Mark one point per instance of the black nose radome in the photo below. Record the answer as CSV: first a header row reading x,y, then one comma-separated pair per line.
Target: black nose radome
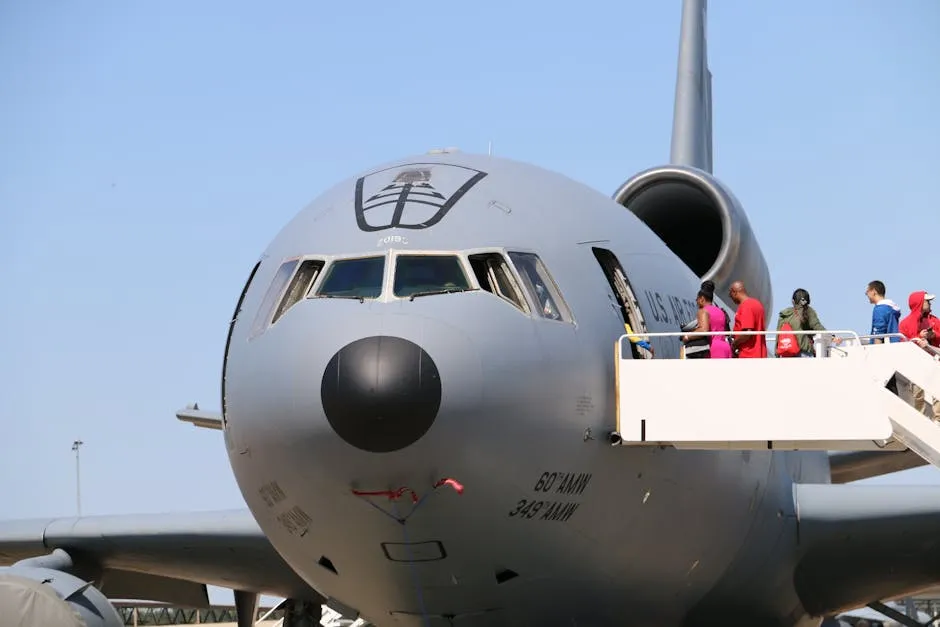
x,y
381,393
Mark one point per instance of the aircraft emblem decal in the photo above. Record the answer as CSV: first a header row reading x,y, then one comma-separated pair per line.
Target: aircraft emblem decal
x,y
412,196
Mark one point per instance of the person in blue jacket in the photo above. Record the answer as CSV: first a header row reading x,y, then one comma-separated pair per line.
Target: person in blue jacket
x,y
885,316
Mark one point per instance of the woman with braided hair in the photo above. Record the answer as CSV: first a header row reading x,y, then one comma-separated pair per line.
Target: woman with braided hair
x,y
801,317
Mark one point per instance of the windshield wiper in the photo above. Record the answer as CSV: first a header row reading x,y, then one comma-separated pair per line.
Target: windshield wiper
x,y
359,298
446,290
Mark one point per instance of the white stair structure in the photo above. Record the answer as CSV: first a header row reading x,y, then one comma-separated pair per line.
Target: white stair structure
x,y
837,401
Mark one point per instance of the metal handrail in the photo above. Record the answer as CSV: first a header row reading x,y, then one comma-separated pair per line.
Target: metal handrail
x,y
882,336
932,350
851,334
822,350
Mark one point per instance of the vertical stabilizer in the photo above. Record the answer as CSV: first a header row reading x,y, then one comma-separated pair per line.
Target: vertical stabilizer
x,y
692,117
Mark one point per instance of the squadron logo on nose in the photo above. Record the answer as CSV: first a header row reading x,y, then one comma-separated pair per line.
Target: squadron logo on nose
x,y
412,196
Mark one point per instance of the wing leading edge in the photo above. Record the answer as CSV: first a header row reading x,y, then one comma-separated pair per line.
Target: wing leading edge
x,y
171,555
865,543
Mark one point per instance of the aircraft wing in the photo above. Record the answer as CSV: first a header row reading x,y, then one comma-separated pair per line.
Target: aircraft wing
x,y
863,543
160,557
847,466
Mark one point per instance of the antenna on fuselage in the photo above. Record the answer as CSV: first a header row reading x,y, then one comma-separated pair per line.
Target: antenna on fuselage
x,y
692,116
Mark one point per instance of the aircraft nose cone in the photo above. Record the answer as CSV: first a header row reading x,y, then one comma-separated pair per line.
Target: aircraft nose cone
x,y
381,393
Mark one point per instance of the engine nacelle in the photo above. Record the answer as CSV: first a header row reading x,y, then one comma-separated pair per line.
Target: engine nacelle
x,y
43,596
701,221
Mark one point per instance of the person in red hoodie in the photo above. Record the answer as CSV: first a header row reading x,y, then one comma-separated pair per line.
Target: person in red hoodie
x,y
923,328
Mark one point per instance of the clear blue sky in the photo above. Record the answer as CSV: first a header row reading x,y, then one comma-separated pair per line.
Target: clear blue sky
x,y
152,149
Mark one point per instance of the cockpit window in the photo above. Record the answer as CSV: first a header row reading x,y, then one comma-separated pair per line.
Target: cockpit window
x,y
494,275
281,277
418,275
354,278
541,288
303,280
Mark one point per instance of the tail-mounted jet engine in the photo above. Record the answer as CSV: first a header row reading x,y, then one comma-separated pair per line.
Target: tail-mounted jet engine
x,y
701,221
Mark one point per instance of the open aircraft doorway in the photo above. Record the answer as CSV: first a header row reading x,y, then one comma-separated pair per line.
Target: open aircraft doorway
x,y
627,305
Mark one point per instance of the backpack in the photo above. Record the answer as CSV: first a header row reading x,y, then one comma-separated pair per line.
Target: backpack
x,y
787,344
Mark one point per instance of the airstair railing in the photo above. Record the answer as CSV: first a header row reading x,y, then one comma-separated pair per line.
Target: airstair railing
x,y
869,339
822,340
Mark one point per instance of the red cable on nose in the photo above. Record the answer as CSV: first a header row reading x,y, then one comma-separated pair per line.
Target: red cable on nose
x,y
456,485
392,495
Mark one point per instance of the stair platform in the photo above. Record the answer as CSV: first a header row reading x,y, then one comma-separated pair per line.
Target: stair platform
x,y
839,401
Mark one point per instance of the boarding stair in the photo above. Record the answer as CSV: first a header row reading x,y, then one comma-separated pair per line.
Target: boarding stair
x,y
841,400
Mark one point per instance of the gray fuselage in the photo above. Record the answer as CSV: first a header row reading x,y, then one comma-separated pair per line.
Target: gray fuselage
x,y
553,525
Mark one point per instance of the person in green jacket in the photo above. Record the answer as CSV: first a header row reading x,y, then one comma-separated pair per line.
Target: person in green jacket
x,y
801,317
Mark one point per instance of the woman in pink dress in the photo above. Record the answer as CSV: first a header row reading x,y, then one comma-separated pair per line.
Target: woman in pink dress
x,y
711,318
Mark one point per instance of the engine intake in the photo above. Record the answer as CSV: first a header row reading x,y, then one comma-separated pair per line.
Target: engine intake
x,y
701,221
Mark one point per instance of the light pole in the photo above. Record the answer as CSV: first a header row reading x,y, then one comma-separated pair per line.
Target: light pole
x,y
76,445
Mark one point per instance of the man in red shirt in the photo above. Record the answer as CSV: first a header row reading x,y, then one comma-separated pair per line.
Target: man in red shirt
x,y
748,317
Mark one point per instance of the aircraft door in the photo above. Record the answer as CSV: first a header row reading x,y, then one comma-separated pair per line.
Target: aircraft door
x,y
628,305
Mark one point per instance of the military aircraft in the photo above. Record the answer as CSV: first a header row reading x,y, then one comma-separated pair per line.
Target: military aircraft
x,y
418,389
